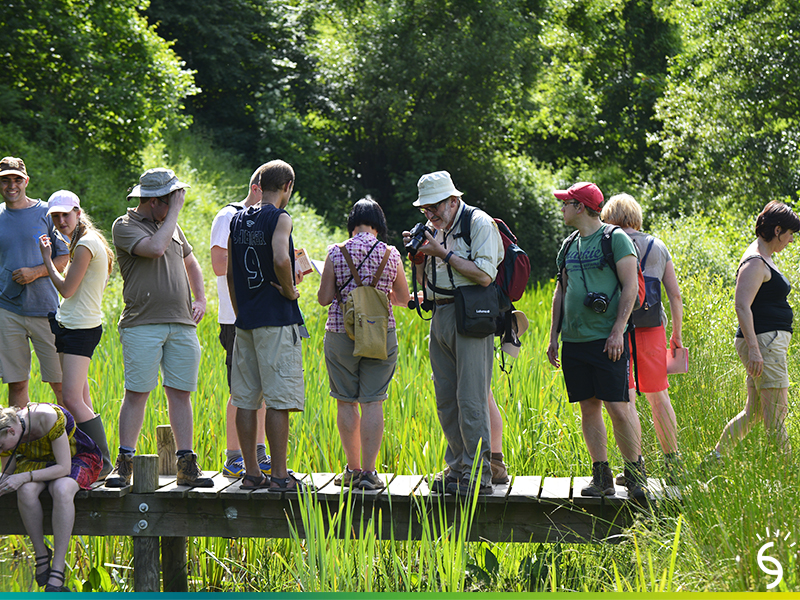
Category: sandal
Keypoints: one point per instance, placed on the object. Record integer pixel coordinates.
(43, 561)
(57, 588)
(256, 482)
(283, 484)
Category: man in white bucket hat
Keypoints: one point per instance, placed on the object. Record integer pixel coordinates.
(27, 295)
(462, 365)
(158, 326)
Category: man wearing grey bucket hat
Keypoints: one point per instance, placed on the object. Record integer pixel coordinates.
(27, 295)
(158, 326)
(462, 365)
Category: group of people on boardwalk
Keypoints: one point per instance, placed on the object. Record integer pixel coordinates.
(50, 248)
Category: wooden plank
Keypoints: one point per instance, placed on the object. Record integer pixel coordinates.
(498, 495)
(330, 492)
(373, 494)
(220, 483)
(401, 488)
(101, 491)
(146, 567)
(174, 564)
(555, 489)
(524, 488)
(321, 480)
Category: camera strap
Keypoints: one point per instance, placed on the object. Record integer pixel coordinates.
(336, 288)
(583, 274)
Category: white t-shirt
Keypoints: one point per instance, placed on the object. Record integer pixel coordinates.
(82, 310)
(220, 232)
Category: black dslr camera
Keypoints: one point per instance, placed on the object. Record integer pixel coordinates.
(597, 301)
(417, 238)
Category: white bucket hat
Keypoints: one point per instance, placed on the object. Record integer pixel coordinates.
(63, 201)
(519, 325)
(155, 183)
(435, 187)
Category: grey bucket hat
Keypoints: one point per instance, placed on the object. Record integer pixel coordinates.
(155, 183)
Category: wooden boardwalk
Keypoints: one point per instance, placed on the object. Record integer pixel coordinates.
(159, 515)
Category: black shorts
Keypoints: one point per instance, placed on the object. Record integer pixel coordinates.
(80, 342)
(589, 373)
(227, 335)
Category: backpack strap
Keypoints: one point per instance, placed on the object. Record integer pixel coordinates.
(465, 225)
(353, 272)
(381, 267)
(647, 253)
(349, 260)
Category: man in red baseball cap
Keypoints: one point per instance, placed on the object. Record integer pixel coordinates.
(591, 308)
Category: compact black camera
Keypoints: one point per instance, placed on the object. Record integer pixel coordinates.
(597, 301)
(417, 238)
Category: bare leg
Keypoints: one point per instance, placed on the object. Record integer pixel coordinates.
(277, 428)
(63, 491)
(371, 433)
(348, 421)
(496, 424)
(231, 427)
(246, 432)
(664, 421)
(179, 403)
(594, 429)
(18, 394)
(626, 432)
(30, 511)
(131, 417)
(75, 386)
(742, 423)
(57, 391)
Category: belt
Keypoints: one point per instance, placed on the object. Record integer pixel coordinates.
(440, 301)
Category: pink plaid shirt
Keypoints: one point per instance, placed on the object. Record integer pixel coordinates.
(358, 246)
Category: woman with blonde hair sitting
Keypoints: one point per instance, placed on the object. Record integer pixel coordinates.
(651, 342)
(41, 448)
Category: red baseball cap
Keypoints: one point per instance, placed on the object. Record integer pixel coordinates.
(584, 192)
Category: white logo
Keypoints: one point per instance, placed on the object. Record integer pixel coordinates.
(777, 568)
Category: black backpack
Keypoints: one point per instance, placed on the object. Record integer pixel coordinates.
(649, 314)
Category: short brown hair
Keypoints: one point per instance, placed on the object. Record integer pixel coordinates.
(275, 174)
(623, 210)
(776, 214)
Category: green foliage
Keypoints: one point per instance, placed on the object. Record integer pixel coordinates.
(731, 129)
(87, 76)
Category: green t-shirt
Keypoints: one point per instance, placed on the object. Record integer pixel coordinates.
(581, 323)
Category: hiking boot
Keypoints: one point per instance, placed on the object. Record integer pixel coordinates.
(369, 480)
(189, 473)
(441, 481)
(348, 477)
(234, 468)
(620, 480)
(499, 470)
(636, 479)
(466, 488)
(602, 481)
(673, 469)
(122, 474)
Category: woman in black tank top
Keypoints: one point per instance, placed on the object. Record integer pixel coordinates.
(765, 328)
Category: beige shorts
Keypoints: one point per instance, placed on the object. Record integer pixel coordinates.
(355, 378)
(15, 348)
(774, 346)
(268, 363)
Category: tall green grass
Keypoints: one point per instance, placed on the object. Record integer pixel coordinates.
(708, 542)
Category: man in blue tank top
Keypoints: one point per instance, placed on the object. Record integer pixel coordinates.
(267, 357)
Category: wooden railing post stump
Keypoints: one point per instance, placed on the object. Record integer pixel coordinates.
(165, 442)
(146, 565)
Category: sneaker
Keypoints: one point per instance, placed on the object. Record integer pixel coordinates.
(636, 479)
(499, 471)
(234, 468)
(265, 465)
(602, 481)
(441, 481)
(465, 488)
(348, 477)
(369, 480)
(122, 474)
(190, 474)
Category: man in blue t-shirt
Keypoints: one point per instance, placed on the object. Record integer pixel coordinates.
(26, 293)
(267, 356)
(591, 308)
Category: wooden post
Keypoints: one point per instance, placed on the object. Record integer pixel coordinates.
(165, 442)
(146, 565)
(173, 564)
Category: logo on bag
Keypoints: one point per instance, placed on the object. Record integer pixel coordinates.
(769, 564)
(484, 311)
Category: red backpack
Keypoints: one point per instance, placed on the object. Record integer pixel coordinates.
(514, 270)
